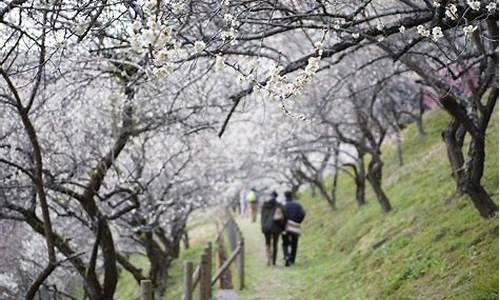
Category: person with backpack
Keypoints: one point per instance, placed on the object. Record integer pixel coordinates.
(294, 215)
(272, 224)
(254, 204)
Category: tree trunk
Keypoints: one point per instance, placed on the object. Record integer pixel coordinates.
(475, 167)
(359, 172)
(360, 182)
(109, 262)
(159, 262)
(399, 148)
(467, 175)
(336, 152)
(453, 137)
(420, 126)
(419, 121)
(322, 190)
(334, 187)
(375, 179)
(185, 239)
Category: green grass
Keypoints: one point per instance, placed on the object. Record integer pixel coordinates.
(437, 246)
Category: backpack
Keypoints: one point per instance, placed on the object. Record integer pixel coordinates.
(278, 215)
(251, 197)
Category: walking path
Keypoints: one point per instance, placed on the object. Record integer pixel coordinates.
(262, 282)
(226, 295)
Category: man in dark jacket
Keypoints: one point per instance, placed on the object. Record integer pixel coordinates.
(294, 215)
(272, 223)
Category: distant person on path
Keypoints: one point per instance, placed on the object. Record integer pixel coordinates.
(272, 222)
(243, 203)
(254, 204)
(294, 215)
(235, 202)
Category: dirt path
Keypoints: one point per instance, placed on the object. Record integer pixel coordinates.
(263, 282)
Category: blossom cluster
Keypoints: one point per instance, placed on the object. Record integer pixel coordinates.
(277, 87)
(230, 34)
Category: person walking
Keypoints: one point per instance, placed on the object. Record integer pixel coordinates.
(272, 222)
(294, 215)
(254, 204)
(243, 203)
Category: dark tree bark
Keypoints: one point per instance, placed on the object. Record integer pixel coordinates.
(399, 148)
(420, 116)
(334, 187)
(375, 179)
(473, 187)
(359, 177)
(324, 193)
(336, 152)
(185, 239)
(453, 137)
(359, 172)
(159, 263)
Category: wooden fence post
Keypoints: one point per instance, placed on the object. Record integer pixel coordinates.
(209, 271)
(225, 278)
(188, 280)
(232, 233)
(241, 263)
(147, 290)
(203, 282)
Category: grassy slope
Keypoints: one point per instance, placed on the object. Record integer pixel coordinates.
(438, 247)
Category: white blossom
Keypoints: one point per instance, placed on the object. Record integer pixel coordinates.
(355, 35)
(241, 80)
(135, 44)
(177, 6)
(228, 18)
(162, 57)
(423, 31)
(164, 38)
(219, 63)
(492, 6)
(437, 33)
(229, 34)
(469, 30)
(475, 5)
(199, 46)
(7, 281)
(336, 25)
(136, 26)
(80, 28)
(152, 4)
(451, 11)
(148, 37)
(402, 28)
(164, 71)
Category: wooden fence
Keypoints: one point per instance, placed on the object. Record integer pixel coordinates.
(202, 275)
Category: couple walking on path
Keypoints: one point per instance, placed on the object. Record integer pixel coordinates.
(278, 219)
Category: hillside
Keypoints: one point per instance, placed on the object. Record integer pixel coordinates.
(436, 245)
